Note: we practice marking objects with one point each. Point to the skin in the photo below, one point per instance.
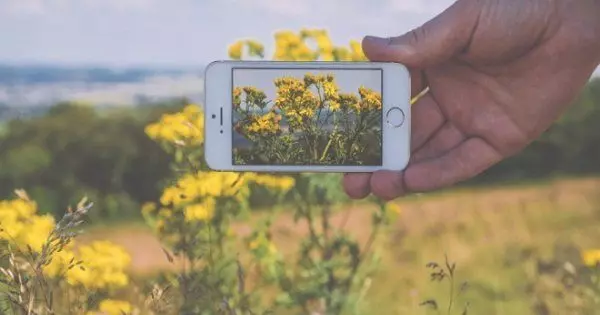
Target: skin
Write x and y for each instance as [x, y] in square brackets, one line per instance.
[499, 74]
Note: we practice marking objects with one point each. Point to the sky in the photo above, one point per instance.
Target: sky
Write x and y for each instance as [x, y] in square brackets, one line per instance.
[348, 80]
[185, 32]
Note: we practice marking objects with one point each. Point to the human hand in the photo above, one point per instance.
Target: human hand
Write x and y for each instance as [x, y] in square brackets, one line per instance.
[499, 74]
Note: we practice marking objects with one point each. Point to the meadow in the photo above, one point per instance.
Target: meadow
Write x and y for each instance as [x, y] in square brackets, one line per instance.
[117, 213]
[498, 236]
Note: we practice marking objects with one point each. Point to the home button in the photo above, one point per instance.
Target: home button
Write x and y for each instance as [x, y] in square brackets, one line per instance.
[395, 117]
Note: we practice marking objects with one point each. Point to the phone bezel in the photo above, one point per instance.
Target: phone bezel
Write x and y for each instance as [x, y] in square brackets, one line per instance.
[218, 110]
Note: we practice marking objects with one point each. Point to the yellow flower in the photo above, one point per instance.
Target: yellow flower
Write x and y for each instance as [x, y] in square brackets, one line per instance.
[591, 257]
[114, 307]
[292, 47]
[59, 264]
[171, 195]
[342, 54]
[148, 208]
[203, 211]
[357, 53]
[255, 48]
[393, 208]
[38, 230]
[370, 100]
[103, 266]
[254, 244]
[272, 248]
[22, 226]
[235, 50]
[237, 97]
[267, 124]
[165, 213]
[186, 126]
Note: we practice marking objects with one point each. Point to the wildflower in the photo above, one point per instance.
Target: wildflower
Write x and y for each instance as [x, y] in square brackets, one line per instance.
[341, 54]
[114, 307]
[203, 211]
[237, 97]
[22, 226]
[370, 100]
[60, 262]
[255, 48]
[267, 124]
[103, 266]
[392, 208]
[591, 257]
[357, 53]
[148, 208]
[235, 50]
[186, 126]
[38, 230]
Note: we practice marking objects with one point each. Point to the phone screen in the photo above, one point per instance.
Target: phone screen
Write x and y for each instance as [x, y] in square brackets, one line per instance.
[308, 116]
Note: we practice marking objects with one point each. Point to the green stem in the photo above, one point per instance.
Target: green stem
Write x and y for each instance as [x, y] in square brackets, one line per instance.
[451, 294]
[328, 143]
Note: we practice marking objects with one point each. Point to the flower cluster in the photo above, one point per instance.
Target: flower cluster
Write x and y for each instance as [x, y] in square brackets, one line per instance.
[267, 124]
[113, 307]
[591, 258]
[291, 46]
[104, 266]
[254, 48]
[21, 225]
[203, 185]
[103, 263]
[369, 99]
[185, 126]
[295, 100]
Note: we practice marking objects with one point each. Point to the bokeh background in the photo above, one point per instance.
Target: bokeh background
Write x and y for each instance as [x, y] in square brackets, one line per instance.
[81, 80]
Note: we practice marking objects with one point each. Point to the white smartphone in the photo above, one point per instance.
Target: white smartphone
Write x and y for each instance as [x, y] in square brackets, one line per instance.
[279, 116]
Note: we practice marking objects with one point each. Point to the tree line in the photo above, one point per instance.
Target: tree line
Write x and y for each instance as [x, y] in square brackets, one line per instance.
[75, 150]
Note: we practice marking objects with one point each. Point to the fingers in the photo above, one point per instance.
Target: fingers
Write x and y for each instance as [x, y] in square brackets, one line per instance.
[434, 42]
[426, 120]
[418, 82]
[444, 140]
[357, 185]
[466, 160]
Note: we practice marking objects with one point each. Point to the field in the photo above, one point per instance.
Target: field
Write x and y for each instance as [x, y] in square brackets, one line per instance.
[293, 244]
[494, 235]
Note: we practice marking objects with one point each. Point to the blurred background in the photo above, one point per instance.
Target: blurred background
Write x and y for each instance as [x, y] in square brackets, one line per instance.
[81, 79]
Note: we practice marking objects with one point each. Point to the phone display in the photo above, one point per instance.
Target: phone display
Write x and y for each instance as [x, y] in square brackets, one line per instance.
[311, 116]
[279, 116]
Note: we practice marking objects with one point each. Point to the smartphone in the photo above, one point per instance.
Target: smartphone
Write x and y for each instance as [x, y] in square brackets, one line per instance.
[279, 116]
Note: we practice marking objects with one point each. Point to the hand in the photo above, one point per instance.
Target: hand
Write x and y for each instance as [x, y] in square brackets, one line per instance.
[499, 74]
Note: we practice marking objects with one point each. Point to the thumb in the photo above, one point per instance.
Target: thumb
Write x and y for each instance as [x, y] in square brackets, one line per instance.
[436, 41]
